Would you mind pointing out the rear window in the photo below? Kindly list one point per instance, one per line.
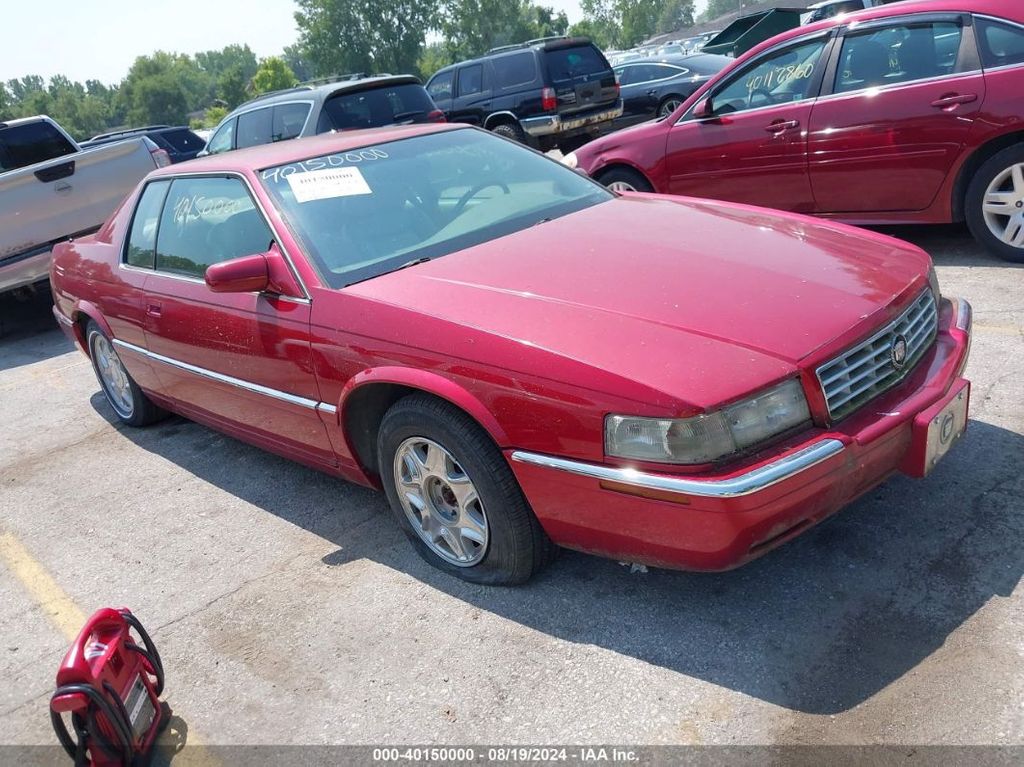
(183, 140)
(388, 105)
(27, 144)
(568, 63)
(1001, 44)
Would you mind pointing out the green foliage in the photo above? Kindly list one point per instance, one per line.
(370, 36)
(470, 28)
(434, 56)
(273, 75)
(210, 119)
(718, 7)
(297, 59)
(625, 23)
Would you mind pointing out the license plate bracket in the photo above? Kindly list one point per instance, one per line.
(937, 429)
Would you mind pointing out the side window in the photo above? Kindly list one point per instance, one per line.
(254, 128)
(471, 80)
(289, 120)
(664, 71)
(440, 88)
(898, 54)
(223, 140)
(141, 250)
(780, 77)
(1001, 44)
(515, 69)
(205, 221)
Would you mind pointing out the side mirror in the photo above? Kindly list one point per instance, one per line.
(239, 275)
(260, 273)
(704, 109)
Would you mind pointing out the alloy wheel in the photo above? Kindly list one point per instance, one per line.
(621, 186)
(1003, 206)
(669, 107)
(113, 377)
(441, 502)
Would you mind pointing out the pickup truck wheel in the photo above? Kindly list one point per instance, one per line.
(124, 395)
(455, 497)
(510, 130)
(995, 204)
(625, 180)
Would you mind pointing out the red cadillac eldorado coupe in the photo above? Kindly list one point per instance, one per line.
(521, 358)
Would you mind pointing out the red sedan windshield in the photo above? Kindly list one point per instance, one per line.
(365, 212)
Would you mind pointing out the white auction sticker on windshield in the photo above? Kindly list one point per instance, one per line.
(328, 183)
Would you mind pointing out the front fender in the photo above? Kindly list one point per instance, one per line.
(431, 383)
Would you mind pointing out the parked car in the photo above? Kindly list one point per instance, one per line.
(516, 355)
(308, 110)
(180, 143)
(552, 91)
(910, 114)
(657, 87)
(51, 189)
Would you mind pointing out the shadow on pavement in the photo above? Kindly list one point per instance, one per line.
(817, 626)
(948, 244)
(28, 331)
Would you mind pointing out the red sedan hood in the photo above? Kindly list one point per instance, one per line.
(653, 289)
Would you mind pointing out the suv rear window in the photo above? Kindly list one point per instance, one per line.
(27, 144)
(567, 63)
(183, 140)
(387, 105)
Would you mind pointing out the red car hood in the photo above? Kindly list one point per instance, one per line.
(667, 292)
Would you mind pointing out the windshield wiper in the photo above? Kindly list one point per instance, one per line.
(407, 264)
(407, 115)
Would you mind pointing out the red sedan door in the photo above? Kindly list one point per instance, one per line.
(753, 149)
(903, 95)
(240, 359)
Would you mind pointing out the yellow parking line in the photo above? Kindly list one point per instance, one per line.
(69, 619)
(62, 612)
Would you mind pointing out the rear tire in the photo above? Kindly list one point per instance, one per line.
(669, 105)
(455, 497)
(510, 130)
(995, 204)
(128, 401)
(625, 180)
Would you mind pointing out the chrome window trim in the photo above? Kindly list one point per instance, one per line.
(305, 298)
(901, 84)
(680, 71)
(292, 399)
(744, 484)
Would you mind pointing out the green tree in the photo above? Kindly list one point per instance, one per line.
(297, 58)
(371, 36)
(233, 86)
(472, 27)
(211, 118)
(434, 56)
(273, 75)
(675, 15)
(718, 7)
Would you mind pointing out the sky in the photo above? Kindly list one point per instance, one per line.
(99, 39)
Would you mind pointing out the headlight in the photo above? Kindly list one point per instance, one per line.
(570, 160)
(933, 280)
(707, 438)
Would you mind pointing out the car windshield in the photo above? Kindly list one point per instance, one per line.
(368, 211)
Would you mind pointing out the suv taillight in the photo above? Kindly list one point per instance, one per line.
(548, 100)
(436, 116)
(160, 157)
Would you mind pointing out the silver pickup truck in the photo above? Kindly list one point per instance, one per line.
(52, 190)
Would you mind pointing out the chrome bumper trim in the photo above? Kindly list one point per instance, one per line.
(548, 125)
(212, 375)
(744, 484)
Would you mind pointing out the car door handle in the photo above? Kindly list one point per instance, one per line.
(780, 126)
(953, 100)
(154, 308)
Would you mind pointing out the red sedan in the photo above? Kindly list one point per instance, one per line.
(906, 113)
(516, 355)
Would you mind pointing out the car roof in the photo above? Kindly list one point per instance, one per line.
(283, 152)
(322, 92)
(902, 8)
(540, 45)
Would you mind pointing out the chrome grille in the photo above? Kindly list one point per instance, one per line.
(865, 371)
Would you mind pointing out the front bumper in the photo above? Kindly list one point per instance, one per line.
(717, 522)
(550, 125)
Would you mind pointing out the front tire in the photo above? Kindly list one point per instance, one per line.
(455, 496)
(995, 204)
(625, 180)
(128, 401)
